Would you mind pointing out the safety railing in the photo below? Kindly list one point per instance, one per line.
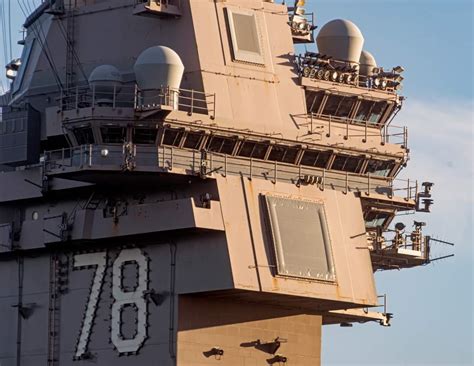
(204, 164)
(159, 2)
(351, 128)
(115, 96)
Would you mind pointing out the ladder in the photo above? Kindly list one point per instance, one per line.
(58, 281)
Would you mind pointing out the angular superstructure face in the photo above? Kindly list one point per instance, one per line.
(151, 215)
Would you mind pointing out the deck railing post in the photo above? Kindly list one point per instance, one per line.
(275, 175)
(347, 183)
(366, 126)
(251, 165)
(172, 158)
(225, 165)
(324, 180)
(368, 185)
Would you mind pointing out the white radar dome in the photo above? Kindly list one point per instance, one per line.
(106, 79)
(158, 67)
(367, 63)
(340, 39)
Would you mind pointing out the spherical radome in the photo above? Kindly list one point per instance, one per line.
(106, 79)
(341, 39)
(158, 67)
(105, 73)
(367, 63)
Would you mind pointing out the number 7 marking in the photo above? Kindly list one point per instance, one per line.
(98, 259)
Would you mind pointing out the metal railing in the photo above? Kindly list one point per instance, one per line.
(188, 100)
(176, 3)
(388, 133)
(204, 164)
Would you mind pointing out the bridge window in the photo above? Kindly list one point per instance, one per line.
(221, 145)
(193, 140)
(113, 135)
(371, 111)
(374, 219)
(172, 136)
(313, 101)
(144, 135)
(84, 135)
(315, 158)
(347, 163)
(332, 105)
(283, 154)
(345, 107)
(251, 149)
(380, 167)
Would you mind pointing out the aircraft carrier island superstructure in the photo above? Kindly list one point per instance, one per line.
(180, 185)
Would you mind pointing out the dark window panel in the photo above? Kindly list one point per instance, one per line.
(332, 105)
(315, 158)
(283, 154)
(172, 137)
(313, 101)
(351, 164)
(84, 135)
(380, 167)
(252, 149)
(221, 145)
(113, 135)
(193, 140)
(376, 112)
(364, 110)
(373, 219)
(144, 135)
(345, 107)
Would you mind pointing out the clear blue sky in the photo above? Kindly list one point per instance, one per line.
(433, 306)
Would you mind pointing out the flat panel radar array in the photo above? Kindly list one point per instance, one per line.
(245, 36)
(300, 238)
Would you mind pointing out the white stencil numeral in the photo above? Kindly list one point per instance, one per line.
(129, 298)
(98, 259)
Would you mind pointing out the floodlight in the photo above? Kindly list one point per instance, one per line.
(306, 71)
(320, 74)
(327, 75)
(383, 84)
(334, 75)
(398, 69)
(377, 82)
(399, 78)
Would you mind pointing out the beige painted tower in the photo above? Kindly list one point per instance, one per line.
(204, 194)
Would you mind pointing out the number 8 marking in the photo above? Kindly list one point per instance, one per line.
(121, 298)
(124, 298)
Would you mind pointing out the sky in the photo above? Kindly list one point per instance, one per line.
(432, 305)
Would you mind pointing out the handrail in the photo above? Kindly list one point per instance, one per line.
(318, 120)
(128, 96)
(167, 158)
